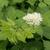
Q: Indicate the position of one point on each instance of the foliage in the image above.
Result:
(15, 34)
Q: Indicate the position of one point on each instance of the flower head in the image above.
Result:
(33, 18)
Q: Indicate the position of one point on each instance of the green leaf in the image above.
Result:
(42, 5)
(38, 30)
(47, 45)
(12, 13)
(7, 30)
(46, 18)
(31, 1)
(43, 8)
(3, 3)
(47, 2)
(30, 10)
(46, 32)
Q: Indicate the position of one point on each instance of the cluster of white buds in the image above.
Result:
(33, 18)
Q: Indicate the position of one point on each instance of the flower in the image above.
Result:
(33, 18)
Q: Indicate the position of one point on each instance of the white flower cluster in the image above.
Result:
(33, 18)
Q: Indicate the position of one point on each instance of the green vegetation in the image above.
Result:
(15, 34)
